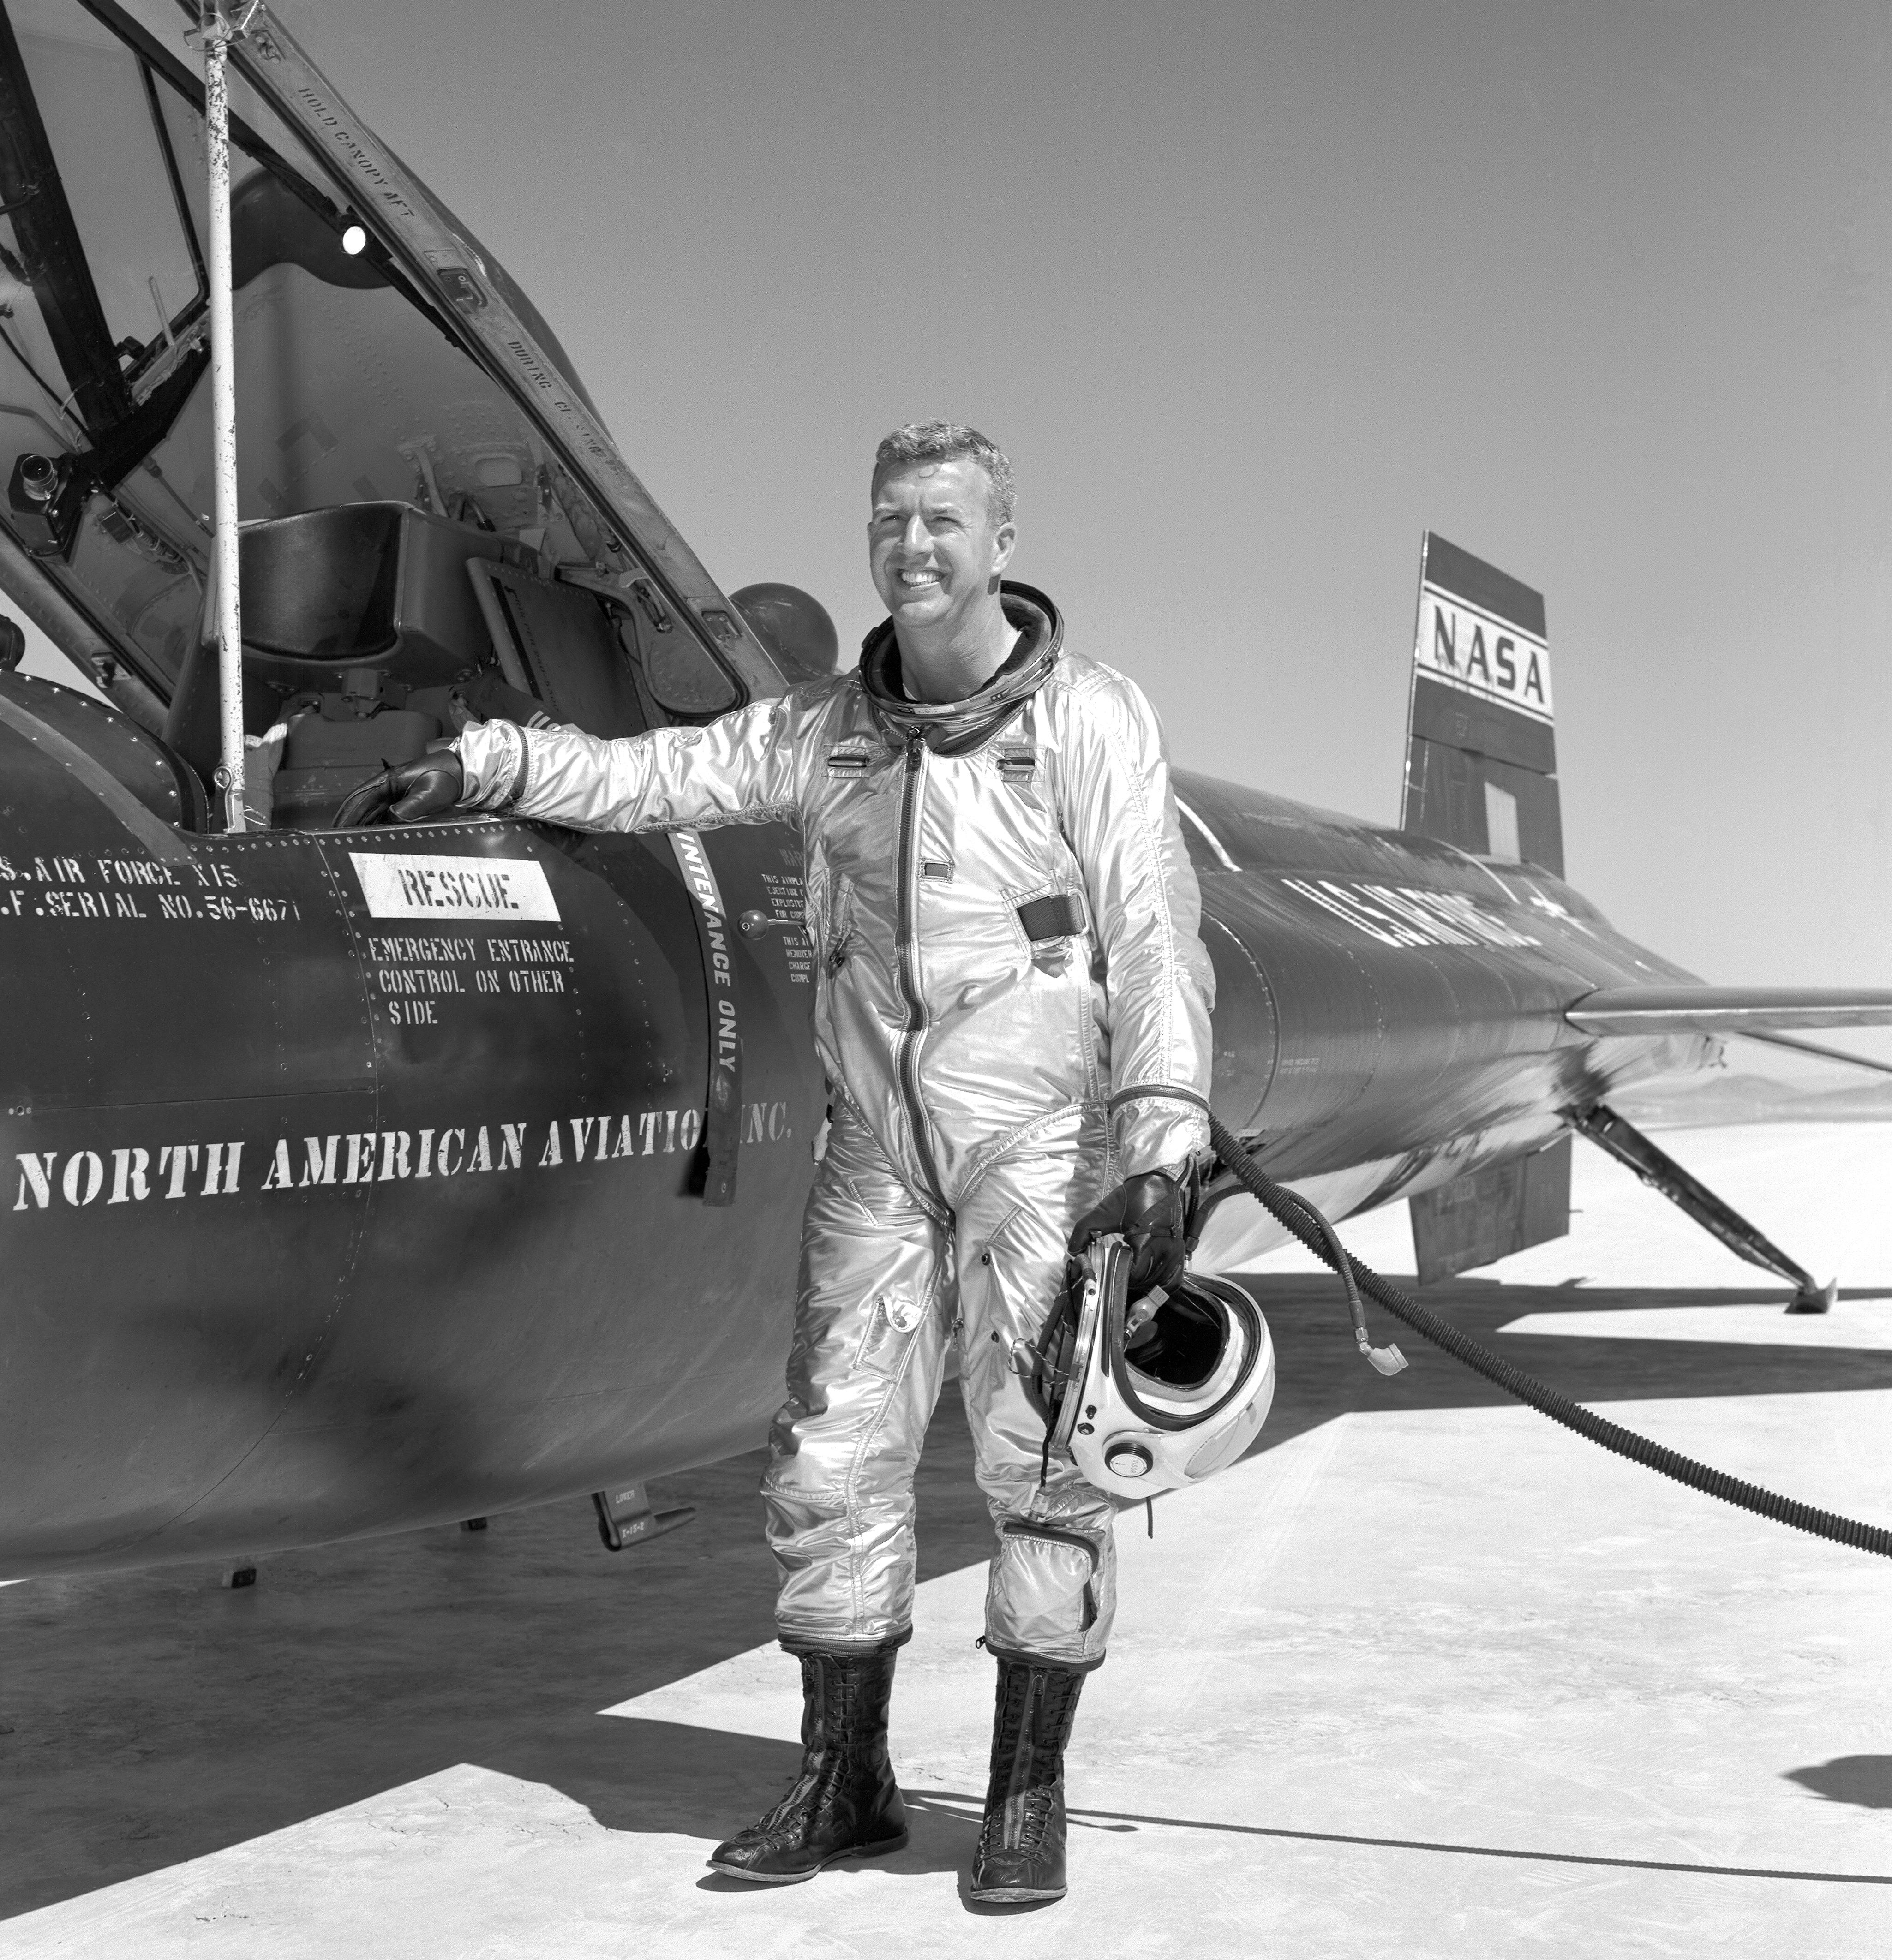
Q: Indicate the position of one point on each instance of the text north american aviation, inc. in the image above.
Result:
(131, 1174)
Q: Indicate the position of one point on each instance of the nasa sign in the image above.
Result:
(1479, 652)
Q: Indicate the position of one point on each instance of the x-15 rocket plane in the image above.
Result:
(358, 1180)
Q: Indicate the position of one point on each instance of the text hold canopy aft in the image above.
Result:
(410, 885)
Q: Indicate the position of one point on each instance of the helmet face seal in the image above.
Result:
(1165, 1405)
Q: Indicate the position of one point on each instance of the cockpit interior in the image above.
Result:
(412, 555)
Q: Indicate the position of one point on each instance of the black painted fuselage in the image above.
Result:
(323, 1220)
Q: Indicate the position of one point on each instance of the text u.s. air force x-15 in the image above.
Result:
(356, 1181)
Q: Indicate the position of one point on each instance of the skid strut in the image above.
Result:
(1656, 1167)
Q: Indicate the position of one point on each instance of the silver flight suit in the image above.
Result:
(988, 1085)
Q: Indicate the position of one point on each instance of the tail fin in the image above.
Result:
(1481, 772)
(1481, 766)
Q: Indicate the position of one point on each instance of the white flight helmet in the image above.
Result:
(1158, 1394)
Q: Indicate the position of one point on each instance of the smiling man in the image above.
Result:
(1013, 1011)
(940, 538)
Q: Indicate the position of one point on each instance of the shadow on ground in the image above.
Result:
(147, 1718)
(1864, 1780)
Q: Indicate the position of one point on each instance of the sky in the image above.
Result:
(1253, 294)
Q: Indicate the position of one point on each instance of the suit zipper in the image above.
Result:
(914, 1034)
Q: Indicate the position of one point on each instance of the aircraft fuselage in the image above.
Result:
(353, 1177)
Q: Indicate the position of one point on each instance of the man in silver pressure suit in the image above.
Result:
(1013, 1010)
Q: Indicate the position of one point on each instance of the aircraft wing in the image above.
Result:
(1727, 1010)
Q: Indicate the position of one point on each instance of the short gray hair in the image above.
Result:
(946, 442)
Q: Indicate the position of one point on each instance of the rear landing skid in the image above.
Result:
(1628, 1145)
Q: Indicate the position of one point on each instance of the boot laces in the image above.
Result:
(1036, 1819)
(1032, 1808)
(815, 1790)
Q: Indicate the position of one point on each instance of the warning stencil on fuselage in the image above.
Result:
(1480, 653)
(409, 884)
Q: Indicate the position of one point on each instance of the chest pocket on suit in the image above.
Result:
(850, 761)
(1017, 764)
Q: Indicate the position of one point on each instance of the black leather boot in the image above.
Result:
(845, 1804)
(1021, 1854)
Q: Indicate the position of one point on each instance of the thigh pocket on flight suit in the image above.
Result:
(886, 1340)
(1043, 1587)
(1023, 1268)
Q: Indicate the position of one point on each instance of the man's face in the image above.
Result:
(933, 546)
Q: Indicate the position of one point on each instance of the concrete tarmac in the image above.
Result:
(1424, 1676)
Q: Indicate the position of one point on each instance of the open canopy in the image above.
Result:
(382, 354)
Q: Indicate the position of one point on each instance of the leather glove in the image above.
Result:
(1148, 1210)
(405, 792)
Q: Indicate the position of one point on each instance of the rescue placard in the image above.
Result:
(1470, 648)
(406, 885)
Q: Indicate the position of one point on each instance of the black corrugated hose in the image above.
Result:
(1313, 1231)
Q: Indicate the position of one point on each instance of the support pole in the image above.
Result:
(219, 31)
